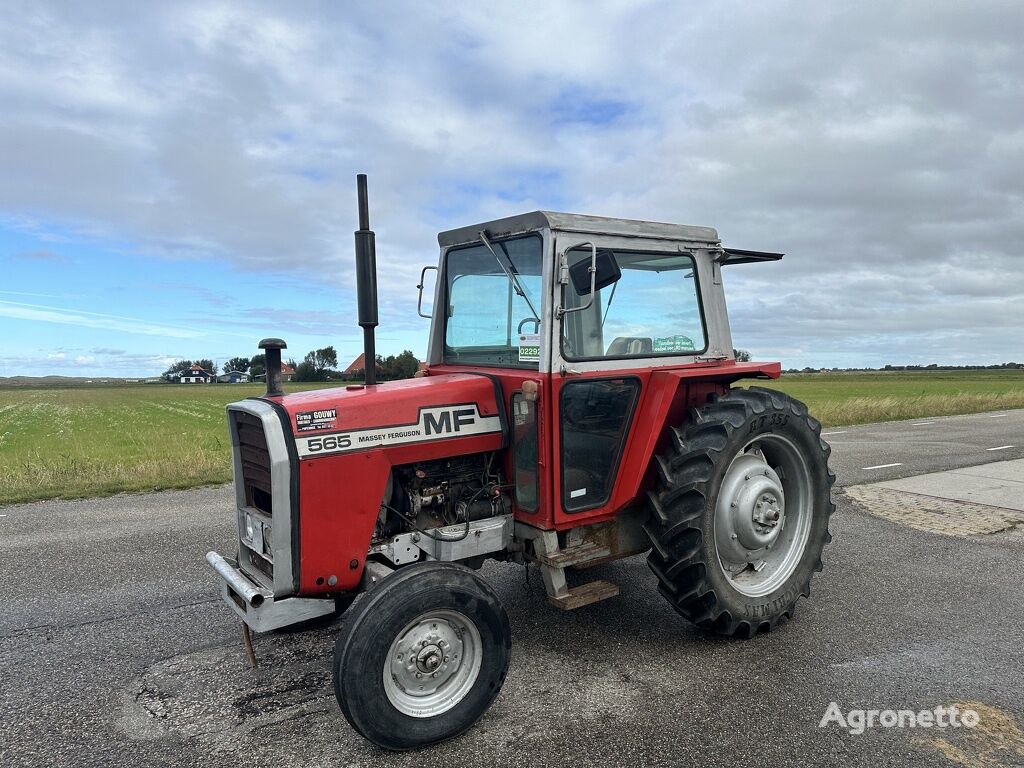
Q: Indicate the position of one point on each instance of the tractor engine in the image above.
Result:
(441, 493)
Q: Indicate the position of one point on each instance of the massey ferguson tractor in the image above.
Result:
(577, 406)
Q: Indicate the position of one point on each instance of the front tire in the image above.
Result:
(422, 656)
(740, 511)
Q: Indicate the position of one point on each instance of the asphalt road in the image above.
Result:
(869, 453)
(113, 650)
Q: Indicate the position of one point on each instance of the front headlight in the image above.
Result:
(250, 528)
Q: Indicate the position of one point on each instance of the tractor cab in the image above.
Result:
(557, 292)
(588, 310)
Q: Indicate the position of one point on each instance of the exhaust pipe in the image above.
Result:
(273, 349)
(366, 282)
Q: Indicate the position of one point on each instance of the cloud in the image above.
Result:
(37, 313)
(879, 146)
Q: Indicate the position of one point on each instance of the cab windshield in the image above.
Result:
(487, 321)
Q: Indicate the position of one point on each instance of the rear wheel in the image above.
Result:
(422, 656)
(740, 511)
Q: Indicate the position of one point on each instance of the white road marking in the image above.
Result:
(922, 423)
(996, 415)
(3, 515)
(999, 448)
(884, 466)
(837, 432)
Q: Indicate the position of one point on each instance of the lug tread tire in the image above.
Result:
(682, 503)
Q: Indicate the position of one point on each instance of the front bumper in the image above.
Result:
(256, 606)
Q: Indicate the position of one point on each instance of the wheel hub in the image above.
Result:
(429, 658)
(432, 664)
(760, 533)
(751, 508)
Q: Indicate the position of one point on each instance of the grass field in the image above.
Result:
(86, 441)
(863, 398)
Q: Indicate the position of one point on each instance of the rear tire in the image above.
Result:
(740, 511)
(422, 656)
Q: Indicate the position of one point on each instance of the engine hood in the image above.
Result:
(397, 413)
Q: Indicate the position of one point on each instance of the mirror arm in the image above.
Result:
(562, 311)
(419, 301)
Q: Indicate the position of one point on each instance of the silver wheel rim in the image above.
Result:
(763, 515)
(432, 664)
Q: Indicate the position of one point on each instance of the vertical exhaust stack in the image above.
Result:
(273, 349)
(366, 281)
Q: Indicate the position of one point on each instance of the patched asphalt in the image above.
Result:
(115, 651)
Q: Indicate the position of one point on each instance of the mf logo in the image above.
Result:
(448, 421)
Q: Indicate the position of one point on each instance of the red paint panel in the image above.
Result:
(665, 395)
(391, 403)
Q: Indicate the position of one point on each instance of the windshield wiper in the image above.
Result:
(510, 271)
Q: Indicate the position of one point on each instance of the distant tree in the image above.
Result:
(258, 365)
(317, 365)
(207, 365)
(176, 370)
(741, 355)
(305, 371)
(237, 364)
(402, 366)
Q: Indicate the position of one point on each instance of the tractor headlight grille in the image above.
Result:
(255, 460)
(255, 529)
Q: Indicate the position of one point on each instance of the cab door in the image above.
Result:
(605, 346)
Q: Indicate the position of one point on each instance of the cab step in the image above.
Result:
(585, 594)
(572, 556)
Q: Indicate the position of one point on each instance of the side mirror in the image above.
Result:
(606, 271)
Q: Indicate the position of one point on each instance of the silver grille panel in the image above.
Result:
(262, 473)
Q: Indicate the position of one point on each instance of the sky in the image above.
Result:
(177, 179)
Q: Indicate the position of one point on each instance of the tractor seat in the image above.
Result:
(629, 345)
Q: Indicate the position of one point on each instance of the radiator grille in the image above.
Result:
(255, 460)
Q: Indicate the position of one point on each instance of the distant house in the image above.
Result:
(356, 366)
(287, 372)
(233, 377)
(196, 375)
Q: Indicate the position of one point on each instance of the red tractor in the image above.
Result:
(577, 407)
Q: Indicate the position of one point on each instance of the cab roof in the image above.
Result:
(584, 225)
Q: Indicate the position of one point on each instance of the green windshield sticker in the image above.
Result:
(529, 348)
(676, 343)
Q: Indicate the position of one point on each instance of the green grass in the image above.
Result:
(862, 398)
(78, 441)
(87, 441)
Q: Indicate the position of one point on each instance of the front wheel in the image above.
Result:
(421, 657)
(740, 511)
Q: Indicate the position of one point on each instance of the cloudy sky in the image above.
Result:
(177, 179)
